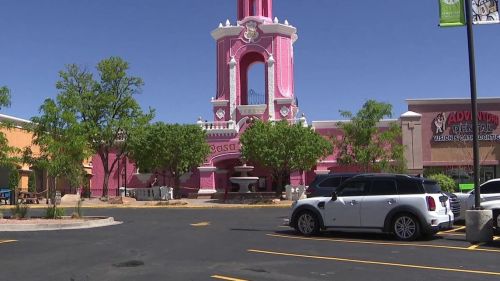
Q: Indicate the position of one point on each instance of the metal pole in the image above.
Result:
(473, 94)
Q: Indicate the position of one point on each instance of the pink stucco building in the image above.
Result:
(258, 38)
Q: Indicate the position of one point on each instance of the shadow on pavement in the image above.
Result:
(250, 229)
(343, 235)
(372, 236)
(494, 244)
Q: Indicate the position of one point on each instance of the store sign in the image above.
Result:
(457, 126)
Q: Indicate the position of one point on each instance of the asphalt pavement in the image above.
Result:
(234, 244)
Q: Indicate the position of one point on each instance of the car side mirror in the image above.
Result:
(334, 196)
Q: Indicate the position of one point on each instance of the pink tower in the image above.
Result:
(256, 37)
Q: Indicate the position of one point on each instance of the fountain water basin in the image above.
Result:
(244, 181)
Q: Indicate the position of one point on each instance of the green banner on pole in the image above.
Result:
(451, 13)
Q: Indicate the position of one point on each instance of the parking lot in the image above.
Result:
(238, 244)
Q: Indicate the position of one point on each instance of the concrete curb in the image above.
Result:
(92, 223)
(188, 206)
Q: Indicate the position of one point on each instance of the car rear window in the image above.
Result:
(432, 187)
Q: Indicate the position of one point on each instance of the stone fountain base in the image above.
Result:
(244, 182)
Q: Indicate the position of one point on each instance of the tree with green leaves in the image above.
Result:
(7, 153)
(62, 144)
(170, 148)
(4, 97)
(101, 111)
(14, 179)
(283, 148)
(446, 183)
(366, 145)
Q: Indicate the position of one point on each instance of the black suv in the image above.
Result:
(325, 185)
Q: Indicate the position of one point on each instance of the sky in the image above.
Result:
(347, 52)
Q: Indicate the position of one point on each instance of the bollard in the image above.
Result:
(479, 226)
(288, 192)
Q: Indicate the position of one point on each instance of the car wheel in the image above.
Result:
(307, 223)
(406, 227)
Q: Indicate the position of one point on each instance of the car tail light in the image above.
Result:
(431, 204)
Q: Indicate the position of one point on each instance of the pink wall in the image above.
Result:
(98, 176)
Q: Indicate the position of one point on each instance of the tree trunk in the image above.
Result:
(54, 204)
(105, 183)
(107, 173)
(164, 175)
(279, 188)
(177, 183)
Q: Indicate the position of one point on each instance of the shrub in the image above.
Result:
(32, 183)
(447, 184)
(54, 213)
(20, 211)
(14, 179)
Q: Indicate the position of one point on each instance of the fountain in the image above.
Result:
(244, 180)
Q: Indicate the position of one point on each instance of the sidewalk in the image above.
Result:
(126, 202)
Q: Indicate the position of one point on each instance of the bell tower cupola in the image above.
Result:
(254, 67)
(255, 8)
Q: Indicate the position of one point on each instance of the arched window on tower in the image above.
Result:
(256, 84)
(253, 79)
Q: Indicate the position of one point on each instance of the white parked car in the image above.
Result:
(490, 197)
(406, 206)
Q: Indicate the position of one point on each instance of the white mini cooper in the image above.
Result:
(406, 206)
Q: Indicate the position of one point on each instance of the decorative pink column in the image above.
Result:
(207, 180)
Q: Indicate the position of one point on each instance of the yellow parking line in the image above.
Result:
(7, 241)
(382, 243)
(226, 278)
(203, 223)
(453, 230)
(451, 234)
(376, 262)
(475, 246)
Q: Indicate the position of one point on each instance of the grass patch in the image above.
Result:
(54, 213)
